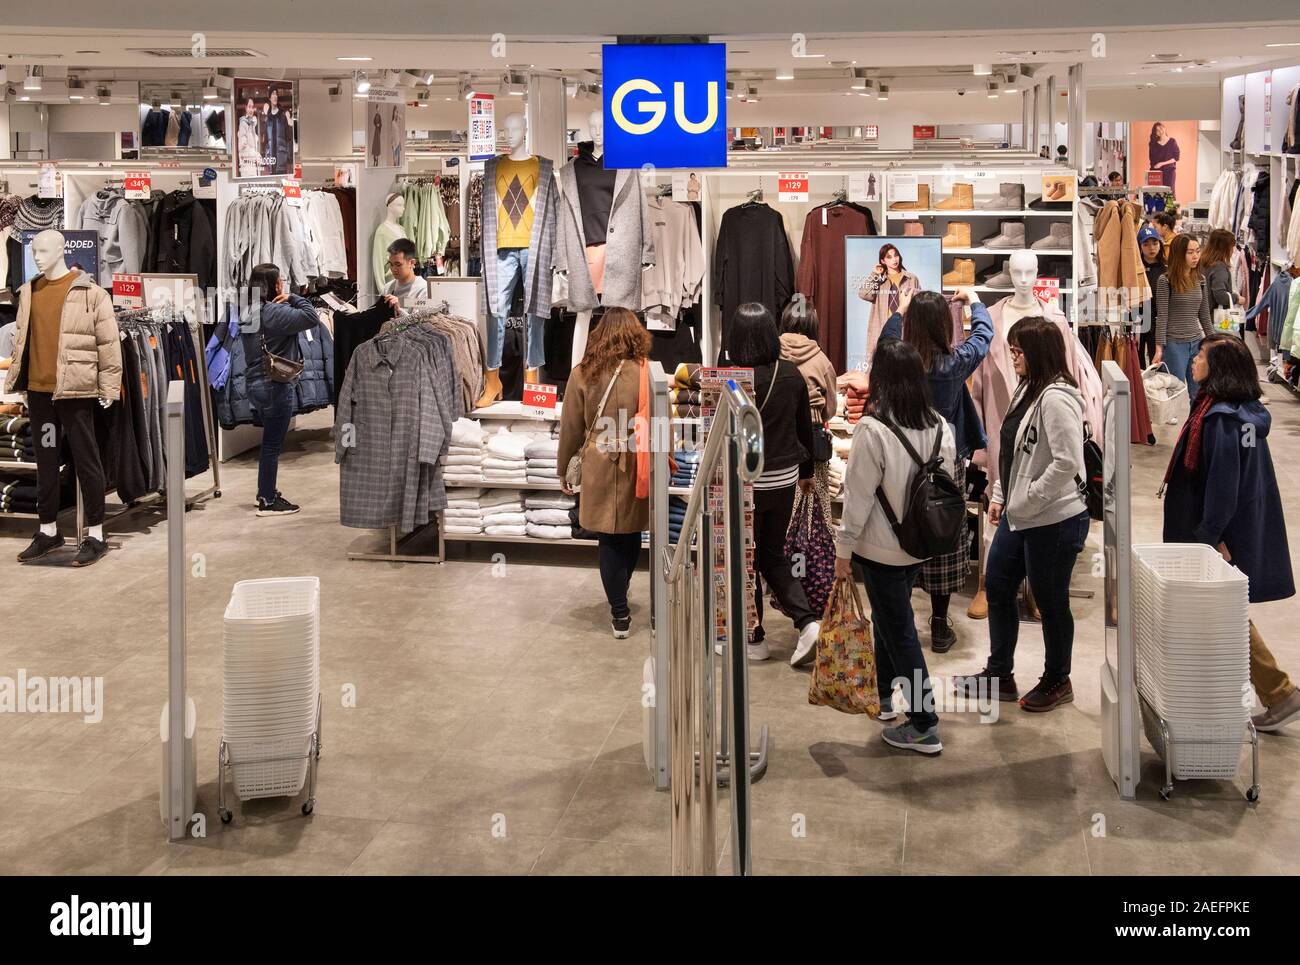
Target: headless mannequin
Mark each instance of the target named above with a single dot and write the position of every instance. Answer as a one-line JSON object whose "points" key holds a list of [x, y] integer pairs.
{"points": [[516, 132], [582, 327], [47, 252]]}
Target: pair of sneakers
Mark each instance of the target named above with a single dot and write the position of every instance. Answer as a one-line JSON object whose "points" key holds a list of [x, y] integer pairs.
{"points": [[279, 506], [89, 552]]}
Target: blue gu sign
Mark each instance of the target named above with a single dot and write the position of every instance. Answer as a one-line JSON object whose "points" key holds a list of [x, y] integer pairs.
{"points": [[665, 104]]}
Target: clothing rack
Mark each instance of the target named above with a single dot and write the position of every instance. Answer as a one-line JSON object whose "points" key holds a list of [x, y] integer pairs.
{"points": [[157, 319]]}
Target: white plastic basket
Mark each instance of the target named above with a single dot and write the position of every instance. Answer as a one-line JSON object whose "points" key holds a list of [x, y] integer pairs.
{"points": [[1192, 636], [1167, 399]]}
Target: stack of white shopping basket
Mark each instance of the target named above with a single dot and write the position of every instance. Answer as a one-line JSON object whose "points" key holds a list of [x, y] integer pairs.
{"points": [[1193, 653], [270, 704]]}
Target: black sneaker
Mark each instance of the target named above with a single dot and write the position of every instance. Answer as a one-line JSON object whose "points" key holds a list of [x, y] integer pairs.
{"points": [[90, 551], [973, 685], [279, 506], [41, 545], [942, 636], [622, 627], [1047, 695]]}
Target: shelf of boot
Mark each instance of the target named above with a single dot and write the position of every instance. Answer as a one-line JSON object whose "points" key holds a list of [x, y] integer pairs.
{"points": [[1008, 213], [1006, 251]]}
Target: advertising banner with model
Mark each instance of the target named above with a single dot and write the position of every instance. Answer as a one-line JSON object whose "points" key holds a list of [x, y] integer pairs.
{"points": [[264, 131], [878, 272], [385, 128], [1168, 148]]}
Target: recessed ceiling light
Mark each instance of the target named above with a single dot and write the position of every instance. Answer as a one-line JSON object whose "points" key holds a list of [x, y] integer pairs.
{"points": [[24, 98], [784, 73], [982, 70], [1266, 45], [354, 58]]}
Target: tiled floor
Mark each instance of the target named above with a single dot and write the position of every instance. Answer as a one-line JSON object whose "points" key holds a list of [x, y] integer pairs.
{"points": [[497, 726]]}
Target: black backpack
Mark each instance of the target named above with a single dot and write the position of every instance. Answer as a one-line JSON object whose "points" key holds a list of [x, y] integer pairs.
{"points": [[935, 512], [1092, 489]]}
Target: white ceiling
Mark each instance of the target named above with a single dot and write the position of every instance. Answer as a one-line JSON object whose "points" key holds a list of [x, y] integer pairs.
{"points": [[919, 61]]}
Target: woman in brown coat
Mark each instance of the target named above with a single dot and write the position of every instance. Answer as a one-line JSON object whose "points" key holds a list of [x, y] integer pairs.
{"points": [[609, 506]]}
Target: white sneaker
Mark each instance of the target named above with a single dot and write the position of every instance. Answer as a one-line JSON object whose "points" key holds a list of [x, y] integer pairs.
{"points": [[757, 651], [806, 649]]}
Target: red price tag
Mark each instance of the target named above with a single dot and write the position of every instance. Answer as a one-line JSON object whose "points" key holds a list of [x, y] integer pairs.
{"points": [[1047, 290], [297, 171], [169, 164], [1155, 179], [137, 185], [292, 191], [128, 291], [539, 399], [792, 185], [923, 132]]}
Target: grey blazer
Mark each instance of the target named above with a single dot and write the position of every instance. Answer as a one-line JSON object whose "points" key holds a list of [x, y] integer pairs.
{"points": [[628, 248]]}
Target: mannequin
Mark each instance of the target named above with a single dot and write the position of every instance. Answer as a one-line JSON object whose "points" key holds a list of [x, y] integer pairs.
{"points": [[603, 226], [518, 219], [388, 232], [62, 312]]}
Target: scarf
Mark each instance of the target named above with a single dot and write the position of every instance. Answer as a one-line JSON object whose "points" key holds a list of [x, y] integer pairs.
{"points": [[1192, 431]]}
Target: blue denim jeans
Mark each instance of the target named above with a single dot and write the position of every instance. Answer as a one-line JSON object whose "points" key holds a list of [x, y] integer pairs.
{"points": [[898, 648], [512, 269], [274, 404], [1045, 554], [1178, 356]]}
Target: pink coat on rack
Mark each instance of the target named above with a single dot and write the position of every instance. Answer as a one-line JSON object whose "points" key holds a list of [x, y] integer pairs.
{"points": [[995, 381]]}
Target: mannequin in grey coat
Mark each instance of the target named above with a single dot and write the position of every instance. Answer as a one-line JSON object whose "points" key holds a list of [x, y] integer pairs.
{"points": [[629, 244]]}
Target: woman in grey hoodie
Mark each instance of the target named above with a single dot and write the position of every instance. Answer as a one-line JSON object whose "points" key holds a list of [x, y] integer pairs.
{"points": [[1041, 517]]}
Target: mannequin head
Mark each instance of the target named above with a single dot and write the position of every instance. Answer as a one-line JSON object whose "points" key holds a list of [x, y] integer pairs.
{"points": [[1022, 266], [515, 129], [596, 127], [47, 252], [396, 207]]}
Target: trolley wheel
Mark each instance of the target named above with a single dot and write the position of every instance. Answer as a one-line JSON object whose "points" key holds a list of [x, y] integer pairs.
{"points": [[216, 494], [1165, 792], [226, 816], [308, 807], [1252, 793]]}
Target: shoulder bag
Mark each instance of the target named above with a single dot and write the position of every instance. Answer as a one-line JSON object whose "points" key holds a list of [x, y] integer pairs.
{"points": [[279, 368], [573, 472]]}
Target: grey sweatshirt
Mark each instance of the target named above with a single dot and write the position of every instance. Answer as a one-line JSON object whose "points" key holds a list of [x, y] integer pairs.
{"points": [[1043, 488]]}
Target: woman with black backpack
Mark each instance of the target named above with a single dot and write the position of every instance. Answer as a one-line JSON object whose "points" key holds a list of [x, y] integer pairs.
{"points": [[878, 483], [1040, 510]]}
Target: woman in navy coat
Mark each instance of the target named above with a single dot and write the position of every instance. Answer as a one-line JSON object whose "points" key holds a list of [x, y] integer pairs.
{"points": [[1220, 489]]}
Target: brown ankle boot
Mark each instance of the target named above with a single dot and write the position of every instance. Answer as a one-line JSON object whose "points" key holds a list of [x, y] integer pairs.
{"points": [[532, 376], [491, 389]]}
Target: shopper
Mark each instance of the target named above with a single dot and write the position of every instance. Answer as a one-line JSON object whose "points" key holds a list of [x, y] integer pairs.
{"points": [[898, 403], [799, 329], [1040, 515], [926, 324], [274, 319], [604, 394], [1166, 223], [1220, 489], [1182, 311], [782, 398], [407, 290], [1153, 262], [1216, 266]]}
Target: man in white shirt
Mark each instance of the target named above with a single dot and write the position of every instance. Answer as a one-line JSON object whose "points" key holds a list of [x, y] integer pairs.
{"points": [[407, 290]]}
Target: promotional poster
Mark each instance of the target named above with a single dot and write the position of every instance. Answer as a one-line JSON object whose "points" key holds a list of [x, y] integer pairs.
{"points": [[264, 129], [878, 271], [385, 127], [1166, 149]]}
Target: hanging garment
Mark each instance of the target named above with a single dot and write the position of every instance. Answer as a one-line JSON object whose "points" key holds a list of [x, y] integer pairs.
{"points": [[184, 238], [122, 229], [751, 262], [347, 202], [323, 220], [627, 241], [153, 130], [821, 271], [675, 279]]}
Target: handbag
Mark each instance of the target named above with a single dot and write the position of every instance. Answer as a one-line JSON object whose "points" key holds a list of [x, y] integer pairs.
{"points": [[810, 547], [279, 368], [844, 671], [573, 472], [1230, 320]]}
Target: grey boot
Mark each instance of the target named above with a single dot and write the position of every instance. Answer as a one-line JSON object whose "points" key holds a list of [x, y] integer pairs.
{"points": [[1059, 237], [1012, 235], [999, 279], [1010, 197]]}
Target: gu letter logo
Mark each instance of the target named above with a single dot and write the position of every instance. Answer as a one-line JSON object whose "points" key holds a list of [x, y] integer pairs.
{"points": [[664, 105]]}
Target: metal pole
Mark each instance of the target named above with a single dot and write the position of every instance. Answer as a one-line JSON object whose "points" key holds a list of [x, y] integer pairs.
{"points": [[1051, 116], [178, 818], [1025, 120], [1080, 144], [681, 749], [737, 653], [702, 641], [1037, 142]]}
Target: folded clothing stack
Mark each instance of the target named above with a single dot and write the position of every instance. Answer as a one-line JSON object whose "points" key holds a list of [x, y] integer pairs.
{"points": [[548, 515], [854, 403], [503, 512], [541, 454], [676, 516], [463, 464], [18, 494], [504, 459], [16, 439], [835, 475], [688, 465], [464, 514], [685, 403]]}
